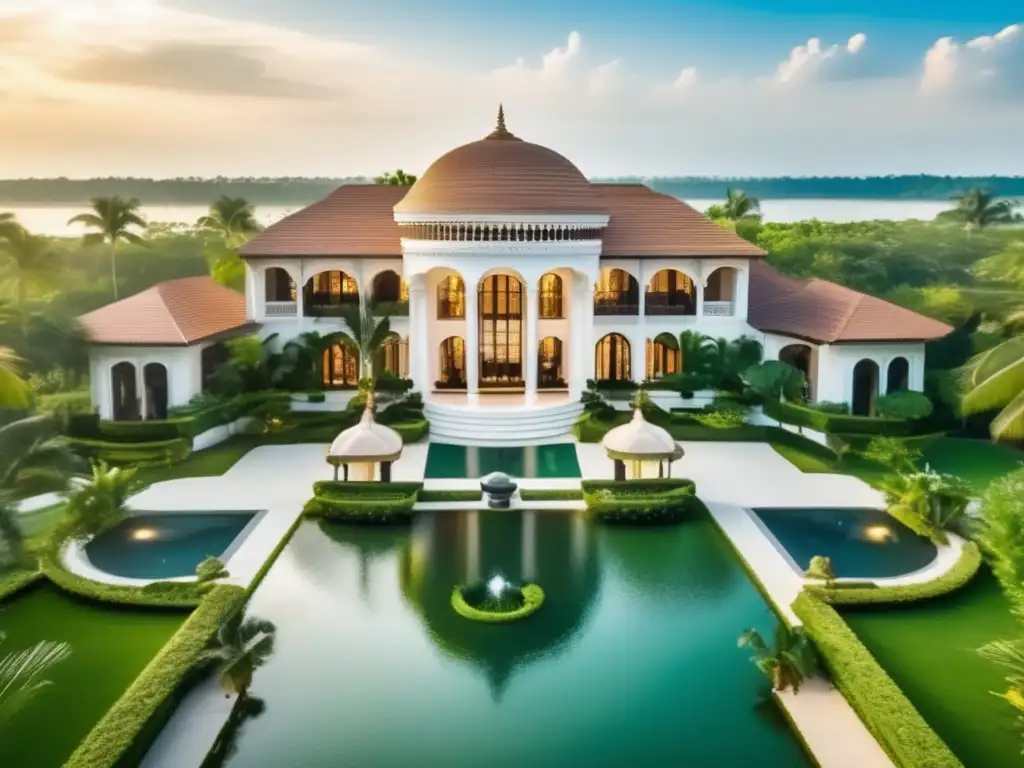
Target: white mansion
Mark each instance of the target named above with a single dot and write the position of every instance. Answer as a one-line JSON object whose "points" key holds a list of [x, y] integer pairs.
{"points": [[515, 280]]}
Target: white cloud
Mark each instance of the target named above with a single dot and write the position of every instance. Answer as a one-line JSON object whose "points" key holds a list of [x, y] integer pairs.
{"points": [[606, 77], [813, 62], [687, 79], [990, 64]]}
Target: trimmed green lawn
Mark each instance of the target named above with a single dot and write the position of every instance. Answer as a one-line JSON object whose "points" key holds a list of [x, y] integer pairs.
{"points": [[109, 648], [929, 650], [206, 463], [979, 462]]}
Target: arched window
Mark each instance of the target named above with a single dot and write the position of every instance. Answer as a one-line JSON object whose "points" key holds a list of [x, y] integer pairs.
{"points": [[720, 292], [452, 364], [340, 367], [549, 364], [612, 358], [670, 292], [125, 392], [663, 356], [388, 288], [500, 301], [279, 285], [326, 292], [616, 293], [154, 377], [898, 375], [865, 388], [451, 298], [393, 357], [211, 359], [799, 356], [551, 296]]}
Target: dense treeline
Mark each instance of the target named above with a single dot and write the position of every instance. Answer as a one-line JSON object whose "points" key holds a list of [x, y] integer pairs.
{"points": [[300, 191]]}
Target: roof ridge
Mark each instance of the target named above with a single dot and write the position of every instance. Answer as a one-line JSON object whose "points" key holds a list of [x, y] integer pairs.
{"points": [[854, 307], [163, 303]]}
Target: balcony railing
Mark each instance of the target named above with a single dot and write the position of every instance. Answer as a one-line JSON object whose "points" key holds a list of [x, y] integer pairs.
{"points": [[329, 304], [669, 303], [281, 309], [615, 303], [718, 309]]}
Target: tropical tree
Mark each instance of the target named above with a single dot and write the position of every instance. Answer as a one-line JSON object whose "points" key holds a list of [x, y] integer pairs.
{"points": [[229, 224], [977, 209], [397, 178], [1007, 266], [698, 353], [209, 572], [1009, 654], [739, 205], [731, 358], [774, 380], [995, 379], [367, 334], [242, 646], [301, 359], [13, 389], [22, 675], [1001, 535], [926, 502], [100, 503], [894, 453], [32, 260], [789, 661], [44, 334], [821, 568], [112, 218]]}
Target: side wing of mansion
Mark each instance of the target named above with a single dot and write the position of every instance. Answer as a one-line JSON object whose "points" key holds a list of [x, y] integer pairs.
{"points": [[506, 270]]}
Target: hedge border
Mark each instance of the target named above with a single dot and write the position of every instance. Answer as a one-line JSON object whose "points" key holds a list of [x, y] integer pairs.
{"points": [[129, 726], [653, 501], [551, 494], [140, 454], [834, 423], [878, 701], [257, 579], [438, 496], [963, 570], [533, 598], [15, 581]]}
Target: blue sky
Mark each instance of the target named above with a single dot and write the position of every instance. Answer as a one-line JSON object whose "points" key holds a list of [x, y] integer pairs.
{"points": [[646, 87]]}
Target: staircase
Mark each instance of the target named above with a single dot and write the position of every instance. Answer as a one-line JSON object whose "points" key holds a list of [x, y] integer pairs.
{"points": [[486, 424]]}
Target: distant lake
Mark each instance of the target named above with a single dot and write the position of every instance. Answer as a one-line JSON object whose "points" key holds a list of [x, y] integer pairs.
{"points": [[52, 220]]}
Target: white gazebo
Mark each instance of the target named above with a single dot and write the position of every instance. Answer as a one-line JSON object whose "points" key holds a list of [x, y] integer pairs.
{"points": [[364, 447], [638, 447]]}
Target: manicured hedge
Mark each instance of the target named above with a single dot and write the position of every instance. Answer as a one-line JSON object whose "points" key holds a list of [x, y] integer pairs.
{"points": [[141, 454], [370, 503], [412, 431], [364, 489], [435, 496], [643, 486], [798, 415], [12, 582], [79, 401], [881, 705], [533, 598], [551, 494], [657, 501], [958, 576], [128, 729]]}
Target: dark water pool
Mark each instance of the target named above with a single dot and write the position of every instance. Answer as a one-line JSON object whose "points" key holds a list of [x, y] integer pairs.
{"points": [[163, 546], [862, 543], [631, 661], [460, 461]]}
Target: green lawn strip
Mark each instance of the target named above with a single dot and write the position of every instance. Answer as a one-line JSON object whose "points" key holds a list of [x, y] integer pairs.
{"points": [[551, 494], [129, 727], [979, 462], [929, 648], [435, 496], [209, 462], [14, 581], [109, 648], [892, 719]]}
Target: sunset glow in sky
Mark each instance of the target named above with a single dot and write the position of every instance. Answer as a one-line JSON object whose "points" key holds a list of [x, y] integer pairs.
{"points": [[309, 87]]}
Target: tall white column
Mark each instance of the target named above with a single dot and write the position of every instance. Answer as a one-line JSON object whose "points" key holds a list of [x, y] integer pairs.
{"points": [[638, 357], [641, 298], [699, 286], [742, 292], [472, 341], [532, 314], [419, 342]]}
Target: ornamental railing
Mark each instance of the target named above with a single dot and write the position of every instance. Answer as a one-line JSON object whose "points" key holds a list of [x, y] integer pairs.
{"points": [[669, 303], [718, 309]]}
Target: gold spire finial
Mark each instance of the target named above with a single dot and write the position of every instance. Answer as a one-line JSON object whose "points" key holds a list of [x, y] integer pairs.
{"points": [[500, 132]]}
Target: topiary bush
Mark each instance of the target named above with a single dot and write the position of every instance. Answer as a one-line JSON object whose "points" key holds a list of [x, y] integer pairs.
{"points": [[156, 453], [646, 502], [904, 405], [476, 603], [369, 503]]}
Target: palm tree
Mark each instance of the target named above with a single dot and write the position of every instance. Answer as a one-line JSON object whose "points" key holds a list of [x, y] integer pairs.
{"points": [[34, 458], [367, 334], [33, 260], [242, 646], [100, 503], [995, 379], [739, 205], [13, 389], [926, 502], [977, 209], [112, 217], [397, 179], [233, 218], [7, 223], [300, 360], [44, 334], [21, 675], [1009, 655], [790, 660]]}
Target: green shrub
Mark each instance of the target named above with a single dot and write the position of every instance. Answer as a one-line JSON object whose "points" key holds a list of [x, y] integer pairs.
{"points": [[435, 496], [141, 454], [551, 494], [389, 382], [125, 733], [646, 485], [412, 431], [612, 385], [683, 383], [879, 702], [79, 401], [958, 576], [532, 596], [394, 511], [316, 397], [647, 501], [13, 581], [364, 489], [802, 416], [904, 405], [824, 406]]}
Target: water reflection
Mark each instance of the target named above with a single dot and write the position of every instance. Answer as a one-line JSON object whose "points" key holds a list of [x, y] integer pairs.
{"points": [[369, 544], [555, 550]]}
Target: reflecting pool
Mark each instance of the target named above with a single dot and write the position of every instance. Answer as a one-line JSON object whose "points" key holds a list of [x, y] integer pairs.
{"points": [[461, 461], [632, 659]]}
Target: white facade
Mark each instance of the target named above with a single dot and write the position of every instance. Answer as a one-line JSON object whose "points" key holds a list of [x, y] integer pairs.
{"points": [[182, 367]]}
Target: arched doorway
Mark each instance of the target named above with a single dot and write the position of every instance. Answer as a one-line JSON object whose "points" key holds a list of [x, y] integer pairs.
{"points": [[550, 296], [865, 388], [670, 292], [720, 292], [125, 394], [393, 357], [211, 359], [663, 356], [799, 356], [279, 285], [612, 358], [154, 377], [549, 364], [340, 367], [451, 298], [898, 375], [325, 294], [452, 365], [616, 293], [388, 291], [500, 299]]}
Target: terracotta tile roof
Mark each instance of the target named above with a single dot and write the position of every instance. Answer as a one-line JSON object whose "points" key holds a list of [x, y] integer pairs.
{"points": [[354, 220], [172, 314], [357, 220], [648, 223], [823, 312]]}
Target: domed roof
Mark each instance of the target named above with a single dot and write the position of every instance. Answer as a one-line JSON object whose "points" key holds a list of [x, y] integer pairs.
{"points": [[639, 439], [366, 442], [501, 173]]}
